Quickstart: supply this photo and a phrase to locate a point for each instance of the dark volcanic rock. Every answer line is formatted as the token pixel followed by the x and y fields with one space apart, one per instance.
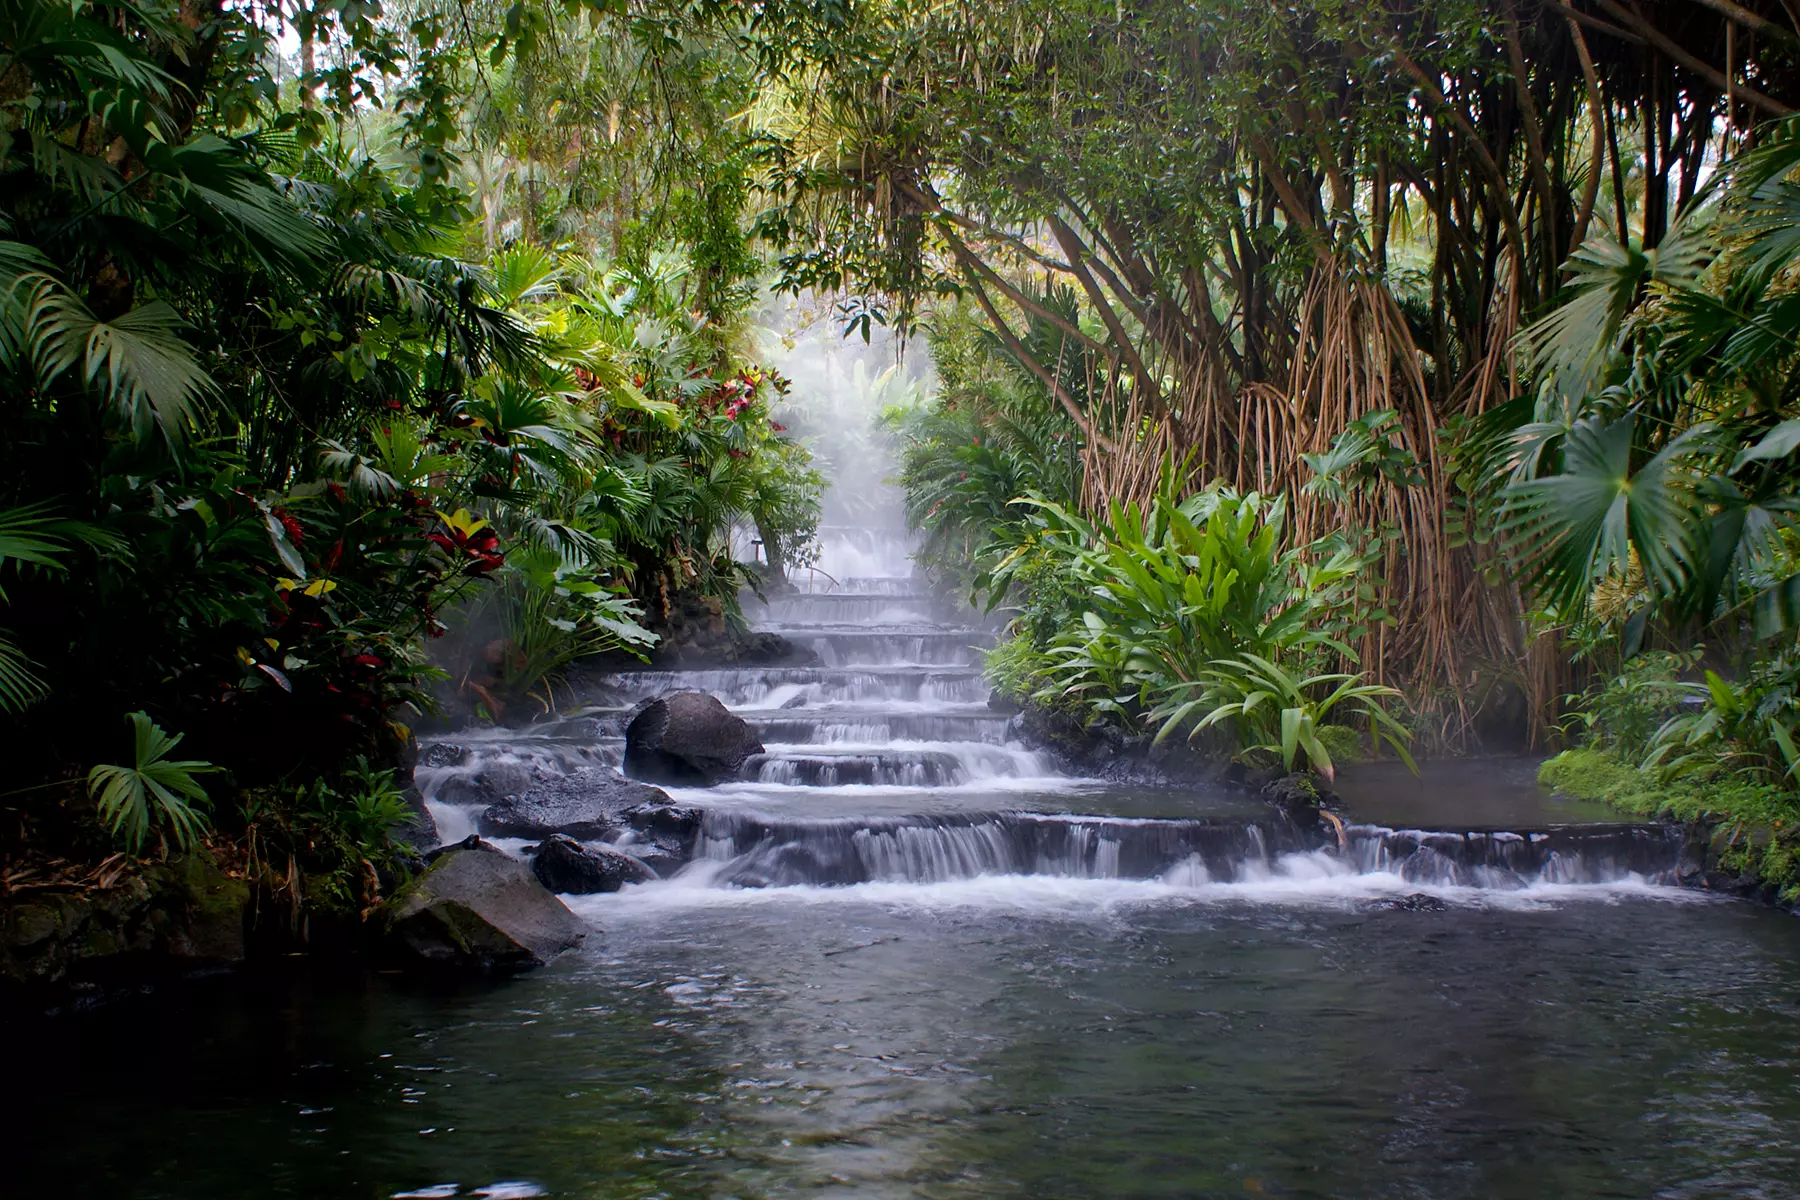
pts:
pixel 563 864
pixel 488 783
pixel 1416 902
pixel 444 754
pixel 587 804
pixel 665 834
pixel 477 911
pixel 688 738
pixel 1104 750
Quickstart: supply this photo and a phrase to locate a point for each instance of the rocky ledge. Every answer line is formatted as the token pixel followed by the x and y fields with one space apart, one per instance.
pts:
pixel 1106 751
pixel 164 921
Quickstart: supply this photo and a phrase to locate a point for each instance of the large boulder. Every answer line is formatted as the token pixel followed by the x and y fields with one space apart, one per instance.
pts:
pixel 476 911
pixel 586 804
pixel 688 738
pixel 563 864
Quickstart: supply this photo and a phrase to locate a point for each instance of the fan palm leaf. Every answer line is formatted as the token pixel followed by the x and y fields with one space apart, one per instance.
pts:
pixel 1579 526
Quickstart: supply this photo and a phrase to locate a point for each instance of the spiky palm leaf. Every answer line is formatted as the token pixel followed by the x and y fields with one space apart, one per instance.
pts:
pixel 137 363
pixel 153 790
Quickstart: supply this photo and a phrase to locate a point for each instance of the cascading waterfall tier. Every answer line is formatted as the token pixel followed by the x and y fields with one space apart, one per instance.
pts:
pixel 885 764
pixel 754 850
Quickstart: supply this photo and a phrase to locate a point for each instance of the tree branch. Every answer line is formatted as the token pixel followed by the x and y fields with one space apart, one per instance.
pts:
pixel 973 266
pixel 1752 21
pixel 1674 53
pixel 1590 191
pixel 1072 247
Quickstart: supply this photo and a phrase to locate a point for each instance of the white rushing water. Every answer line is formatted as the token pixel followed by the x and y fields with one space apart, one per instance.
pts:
pixel 892 781
pixel 887 777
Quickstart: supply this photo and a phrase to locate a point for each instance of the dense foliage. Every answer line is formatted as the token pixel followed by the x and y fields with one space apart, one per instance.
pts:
pixel 1276 223
pixel 1501 304
pixel 282 414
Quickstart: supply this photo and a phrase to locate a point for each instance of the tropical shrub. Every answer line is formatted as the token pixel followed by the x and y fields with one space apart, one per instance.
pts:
pixel 1659 453
pixel 1190 616
pixel 155 791
pixel 1279 715
pixel 1750 729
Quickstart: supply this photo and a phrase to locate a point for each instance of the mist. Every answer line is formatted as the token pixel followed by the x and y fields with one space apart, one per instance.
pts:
pixel 840 388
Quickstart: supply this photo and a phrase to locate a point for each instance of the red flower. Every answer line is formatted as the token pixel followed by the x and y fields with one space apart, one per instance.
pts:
pixel 336 491
pixel 777 426
pixel 295 533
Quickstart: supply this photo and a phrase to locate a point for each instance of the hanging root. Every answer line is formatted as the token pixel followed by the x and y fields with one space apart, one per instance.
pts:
pixel 1337 823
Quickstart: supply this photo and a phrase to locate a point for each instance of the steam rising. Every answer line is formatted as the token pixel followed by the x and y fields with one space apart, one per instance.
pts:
pixel 841 387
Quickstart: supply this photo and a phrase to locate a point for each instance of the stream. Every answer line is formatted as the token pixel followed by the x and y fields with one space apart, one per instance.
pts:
pixel 910 958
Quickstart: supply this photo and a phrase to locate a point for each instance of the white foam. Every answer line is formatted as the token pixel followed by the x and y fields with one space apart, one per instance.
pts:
pixel 1314 880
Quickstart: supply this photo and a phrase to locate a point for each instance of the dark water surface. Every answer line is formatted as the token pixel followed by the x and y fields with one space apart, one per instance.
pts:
pixel 997 1037
pixel 912 959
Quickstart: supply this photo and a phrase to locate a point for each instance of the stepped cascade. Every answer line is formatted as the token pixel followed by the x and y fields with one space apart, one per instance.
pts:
pixel 885 763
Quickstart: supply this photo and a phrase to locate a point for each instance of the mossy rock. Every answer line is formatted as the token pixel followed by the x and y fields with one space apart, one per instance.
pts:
pixel 476 911
pixel 167 919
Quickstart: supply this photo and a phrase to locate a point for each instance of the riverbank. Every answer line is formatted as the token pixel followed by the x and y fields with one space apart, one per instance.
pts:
pixel 1751 832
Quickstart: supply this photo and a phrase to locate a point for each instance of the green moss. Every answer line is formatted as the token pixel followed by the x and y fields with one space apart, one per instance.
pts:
pixel 1758 826
pixel 1344 744
pixel 1589 774
pixel 208 891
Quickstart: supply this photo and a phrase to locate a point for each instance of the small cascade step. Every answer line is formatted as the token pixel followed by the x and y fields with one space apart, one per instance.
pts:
pixel 863 726
pixel 858 647
pixel 1573 854
pixel 754 850
pixel 864 585
pixel 944 764
pixel 841 608
pixel 774 687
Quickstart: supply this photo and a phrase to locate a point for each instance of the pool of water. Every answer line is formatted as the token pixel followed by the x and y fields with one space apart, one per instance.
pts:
pixel 910 959
pixel 976 1038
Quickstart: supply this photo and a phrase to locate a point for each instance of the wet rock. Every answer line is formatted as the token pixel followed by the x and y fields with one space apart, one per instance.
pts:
pixel 665 834
pixel 419 830
pixel 688 738
pixel 476 911
pixel 563 864
pixel 492 781
pixel 1300 795
pixel 588 804
pixel 444 754
pixel 1104 750
pixel 1003 704
pixel 1416 902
